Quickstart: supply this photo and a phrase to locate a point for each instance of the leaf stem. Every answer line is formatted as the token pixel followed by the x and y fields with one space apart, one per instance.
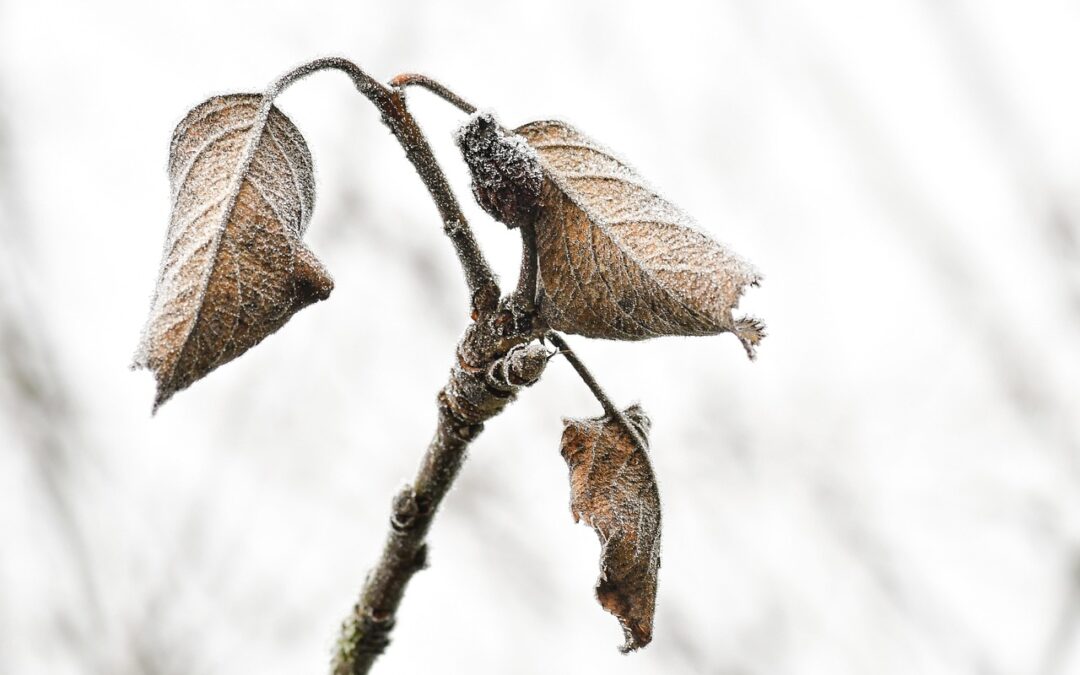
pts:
pixel 586 376
pixel 526 285
pixel 368 85
pixel 590 381
pixel 416 80
pixel 390 101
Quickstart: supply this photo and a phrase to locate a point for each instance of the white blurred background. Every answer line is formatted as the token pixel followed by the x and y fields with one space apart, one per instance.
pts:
pixel 893 487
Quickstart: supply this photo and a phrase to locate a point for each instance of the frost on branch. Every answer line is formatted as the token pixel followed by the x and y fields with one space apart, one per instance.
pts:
pixel 613 489
pixel 234 267
pixel 618 261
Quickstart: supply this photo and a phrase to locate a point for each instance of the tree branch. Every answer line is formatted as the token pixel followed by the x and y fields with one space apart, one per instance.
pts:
pixel 496 357
pixel 491 367
pixel 483 287
pixel 415 80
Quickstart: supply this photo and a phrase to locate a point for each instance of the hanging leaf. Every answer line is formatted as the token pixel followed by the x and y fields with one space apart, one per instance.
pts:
pixel 612 488
pixel 234 267
pixel 618 261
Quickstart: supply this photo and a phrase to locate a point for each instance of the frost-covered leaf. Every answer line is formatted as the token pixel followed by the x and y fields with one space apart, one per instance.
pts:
pixel 234 267
pixel 617 260
pixel 613 489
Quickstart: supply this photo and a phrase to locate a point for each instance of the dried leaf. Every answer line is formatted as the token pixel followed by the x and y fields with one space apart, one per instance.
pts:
pixel 612 488
pixel 617 260
pixel 234 267
pixel 506 172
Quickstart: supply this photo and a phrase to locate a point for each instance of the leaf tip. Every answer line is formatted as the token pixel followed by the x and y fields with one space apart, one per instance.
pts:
pixel 636 624
pixel 162 392
pixel 140 361
pixel 312 281
pixel 613 490
pixel 750 331
pixel 159 400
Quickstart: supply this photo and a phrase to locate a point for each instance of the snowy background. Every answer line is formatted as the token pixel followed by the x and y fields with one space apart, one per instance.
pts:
pixel 893 487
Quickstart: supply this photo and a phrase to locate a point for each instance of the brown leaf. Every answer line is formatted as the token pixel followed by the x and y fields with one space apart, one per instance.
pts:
pixel 612 488
pixel 234 267
pixel 617 260
pixel 506 171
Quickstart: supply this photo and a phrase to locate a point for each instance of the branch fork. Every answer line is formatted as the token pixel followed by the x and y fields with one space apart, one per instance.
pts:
pixel 500 353
pixel 230 280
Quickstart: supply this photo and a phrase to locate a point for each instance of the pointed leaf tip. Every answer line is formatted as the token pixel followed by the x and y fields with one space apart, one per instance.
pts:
pixel 613 489
pixel 750 332
pixel 234 268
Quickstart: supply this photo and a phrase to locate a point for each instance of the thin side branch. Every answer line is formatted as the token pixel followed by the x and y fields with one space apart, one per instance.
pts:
pixel 368 85
pixel 590 381
pixel 423 81
pixel 483 287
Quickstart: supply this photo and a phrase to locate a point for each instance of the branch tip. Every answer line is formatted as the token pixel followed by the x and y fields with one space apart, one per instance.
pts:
pixel 416 80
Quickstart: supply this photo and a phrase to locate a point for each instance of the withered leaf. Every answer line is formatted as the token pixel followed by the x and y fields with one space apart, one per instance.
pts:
pixel 506 171
pixel 234 268
pixel 613 489
pixel 617 260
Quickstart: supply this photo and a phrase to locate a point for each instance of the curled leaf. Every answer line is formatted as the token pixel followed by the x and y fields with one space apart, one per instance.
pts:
pixel 506 174
pixel 234 268
pixel 613 489
pixel 617 260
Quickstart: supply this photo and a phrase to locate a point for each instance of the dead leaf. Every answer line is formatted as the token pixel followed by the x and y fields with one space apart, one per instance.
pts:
pixel 234 267
pixel 613 489
pixel 618 261
pixel 506 172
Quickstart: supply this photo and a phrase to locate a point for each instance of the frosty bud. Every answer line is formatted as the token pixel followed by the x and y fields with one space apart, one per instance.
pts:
pixel 506 174
pixel 525 363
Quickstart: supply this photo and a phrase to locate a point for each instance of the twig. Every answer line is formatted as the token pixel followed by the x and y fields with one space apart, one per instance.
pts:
pixel 483 287
pixel 587 377
pixel 425 82
pixel 476 392
pixel 491 367
pixel 494 360
pixel 366 633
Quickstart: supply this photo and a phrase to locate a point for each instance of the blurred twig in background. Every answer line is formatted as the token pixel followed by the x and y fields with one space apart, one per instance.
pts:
pixel 36 405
